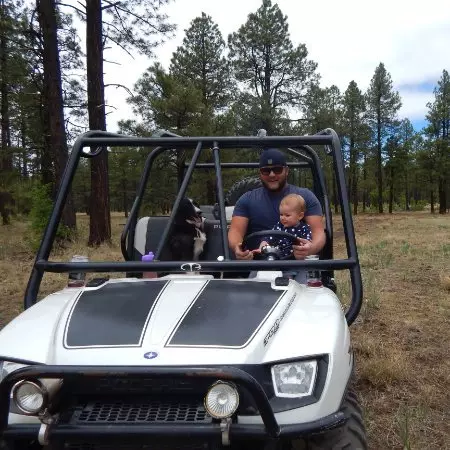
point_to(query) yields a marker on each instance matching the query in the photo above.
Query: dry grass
(401, 338)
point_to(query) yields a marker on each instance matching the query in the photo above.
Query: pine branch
(110, 62)
(73, 7)
(110, 5)
(120, 85)
(123, 25)
(120, 45)
(139, 18)
(109, 24)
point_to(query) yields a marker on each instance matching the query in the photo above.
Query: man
(259, 209)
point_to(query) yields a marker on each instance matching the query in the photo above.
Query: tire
(241, 187)
(351, 436)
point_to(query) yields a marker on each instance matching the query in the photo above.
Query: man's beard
(281, 185)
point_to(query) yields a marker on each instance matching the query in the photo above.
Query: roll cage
(296, 146)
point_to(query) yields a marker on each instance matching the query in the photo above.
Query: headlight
(295, 379)
(221, 400)
(27, 399)
(29, 396)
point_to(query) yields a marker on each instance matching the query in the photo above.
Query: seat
(150, 229)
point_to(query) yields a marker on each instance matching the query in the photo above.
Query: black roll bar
(180, 195)
(130, 226)
(220, 194)
(101, 139)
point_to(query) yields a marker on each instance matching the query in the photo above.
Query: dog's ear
(185, 209)
(195, 206)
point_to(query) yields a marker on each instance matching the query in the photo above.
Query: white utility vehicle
(201, 357)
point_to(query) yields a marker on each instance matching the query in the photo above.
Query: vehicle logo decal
(190, 267)
(150, 355)
(277, 322)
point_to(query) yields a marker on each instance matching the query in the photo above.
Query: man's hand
(242, 254)
(302, 248)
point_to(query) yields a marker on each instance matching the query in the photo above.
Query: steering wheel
(273, 251)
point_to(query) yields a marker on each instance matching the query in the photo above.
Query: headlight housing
(294, 379)
(30, 397)
(17, 404)
(221, 400)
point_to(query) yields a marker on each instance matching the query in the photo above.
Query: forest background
(52, 89)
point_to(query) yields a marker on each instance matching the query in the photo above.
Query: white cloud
(347, 38)
(414, 104)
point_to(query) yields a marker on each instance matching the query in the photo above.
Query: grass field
(401, 338)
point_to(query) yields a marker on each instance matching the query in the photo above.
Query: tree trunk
(6, 157)
(364, 202)
(100, 218)
(23, 143)
(407, 207)
(432, 201)
(442, 196)
(54, 102)
(124, 191)
(45, 156)
(391, 190)
(353, 177)
(379, 166)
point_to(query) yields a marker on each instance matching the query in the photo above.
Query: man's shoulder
(246, 204)
(313, 206)
(253, 194)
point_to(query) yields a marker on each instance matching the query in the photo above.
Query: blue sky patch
(419, 124)
(425, 86)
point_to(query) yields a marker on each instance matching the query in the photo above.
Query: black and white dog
(187, 238)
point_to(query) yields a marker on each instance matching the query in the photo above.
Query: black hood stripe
(116, 315)
(226, 314)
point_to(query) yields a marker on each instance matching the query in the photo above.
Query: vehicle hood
(173, 321)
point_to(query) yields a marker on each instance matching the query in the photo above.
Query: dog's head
(189, 212)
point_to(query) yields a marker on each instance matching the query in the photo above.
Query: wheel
(351, 436)
(241, 187)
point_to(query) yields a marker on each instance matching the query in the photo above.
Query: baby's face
(289, 216)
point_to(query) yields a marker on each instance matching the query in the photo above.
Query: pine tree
(399, 147)
(354, 132)
(266, 62)
(408, 140)
(438, 131)
(200, 60)
(383, 104)
(136, 25)
(53, 100)
(165, 101)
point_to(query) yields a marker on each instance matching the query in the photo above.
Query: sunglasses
(276, 170)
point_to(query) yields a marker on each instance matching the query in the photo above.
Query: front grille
(145, 385)
(141, 412)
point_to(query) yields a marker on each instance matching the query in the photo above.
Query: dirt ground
(401, 337)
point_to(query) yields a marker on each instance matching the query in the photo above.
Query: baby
(292, 211)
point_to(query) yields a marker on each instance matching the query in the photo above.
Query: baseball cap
(272, 157)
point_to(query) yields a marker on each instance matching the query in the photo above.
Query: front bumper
(96, 432)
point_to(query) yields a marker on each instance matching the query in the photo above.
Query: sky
(347, 38)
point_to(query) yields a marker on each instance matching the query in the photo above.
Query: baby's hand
(263, 244)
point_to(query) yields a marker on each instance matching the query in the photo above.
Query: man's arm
(318, 238)
(318, 233)
(236, 233)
